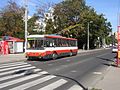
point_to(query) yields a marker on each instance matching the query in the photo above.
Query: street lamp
(26, 17)
(88, 34)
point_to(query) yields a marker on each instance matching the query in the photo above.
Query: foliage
(72, 18)
(49, 27)
(11, 20)
(32, 25)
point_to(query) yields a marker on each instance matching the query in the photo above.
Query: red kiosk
(15, 45)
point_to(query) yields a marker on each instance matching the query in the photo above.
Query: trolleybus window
(48, 42)
(35, 43)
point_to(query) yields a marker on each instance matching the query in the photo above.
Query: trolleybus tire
(54, 56)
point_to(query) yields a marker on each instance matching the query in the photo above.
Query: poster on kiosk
(4, 48)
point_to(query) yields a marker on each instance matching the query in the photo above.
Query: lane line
(97, 73)
(54, 85)
(10, 72)
(33, 83)
(14, 67)
(3, 85)
(17, 75)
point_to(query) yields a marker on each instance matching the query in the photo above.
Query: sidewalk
(12, 58)
(111, 80)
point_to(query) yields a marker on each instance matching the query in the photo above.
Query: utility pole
(26, 18)
(88, 36)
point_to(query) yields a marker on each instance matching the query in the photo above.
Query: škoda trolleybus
(50, 46)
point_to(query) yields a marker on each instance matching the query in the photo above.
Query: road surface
(68, 73)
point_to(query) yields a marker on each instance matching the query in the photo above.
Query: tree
(32, 25)
(49, 29)
(71, 13)
(67, 13)
(11, 20)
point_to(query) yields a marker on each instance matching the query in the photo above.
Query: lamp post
(88, 32)
(26, 24)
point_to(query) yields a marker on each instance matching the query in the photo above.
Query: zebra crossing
(21, 76)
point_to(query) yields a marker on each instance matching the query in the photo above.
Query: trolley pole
(26, 18)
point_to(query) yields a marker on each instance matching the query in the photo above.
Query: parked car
(114, 49)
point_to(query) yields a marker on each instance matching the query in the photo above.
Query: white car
(114, 49)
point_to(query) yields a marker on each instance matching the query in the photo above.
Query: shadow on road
(112, 62)
(106, 59)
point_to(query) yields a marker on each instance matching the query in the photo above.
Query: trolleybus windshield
(35, 44)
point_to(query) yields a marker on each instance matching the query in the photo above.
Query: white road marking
(54, 85)
(10, 72)
(33, 83)
(11, 65)
(75, 87)
(44, 72)
(73, 71)
(20, 80)
(97, 73)
(14, 67)
(16, 75)
(6, 64)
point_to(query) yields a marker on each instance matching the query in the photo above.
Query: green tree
(49, 29)
(72, 18)
(11, 20)
(33, 27)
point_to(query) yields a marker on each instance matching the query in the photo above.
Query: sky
(110, 8)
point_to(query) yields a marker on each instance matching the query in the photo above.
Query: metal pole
(26, 24)
(88, 37)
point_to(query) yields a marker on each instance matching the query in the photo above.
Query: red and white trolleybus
(50, 46)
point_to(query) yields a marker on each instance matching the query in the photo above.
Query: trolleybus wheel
(54, 56)
(70, 53)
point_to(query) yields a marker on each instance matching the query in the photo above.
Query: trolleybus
(50, 46)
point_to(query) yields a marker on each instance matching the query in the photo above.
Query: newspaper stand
(15, 44)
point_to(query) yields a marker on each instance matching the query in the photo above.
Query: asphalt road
(85, 70)
(68, 73)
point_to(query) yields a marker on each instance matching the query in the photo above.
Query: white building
(41, 23)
